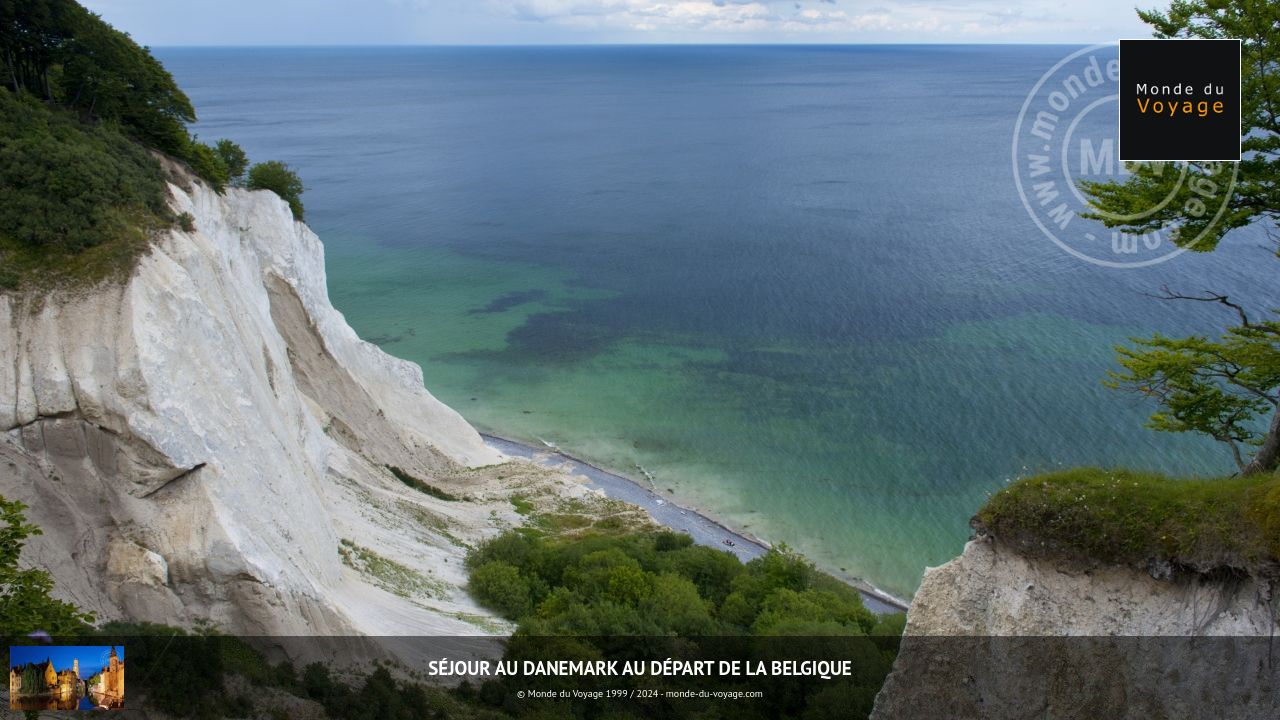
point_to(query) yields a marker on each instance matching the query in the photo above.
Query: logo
(1067, 133)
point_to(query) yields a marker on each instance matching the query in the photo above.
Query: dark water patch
(508, 301)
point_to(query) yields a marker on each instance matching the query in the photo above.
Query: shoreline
(703, 528)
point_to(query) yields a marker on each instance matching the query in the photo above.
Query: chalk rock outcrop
(208, 440)
(994, 634)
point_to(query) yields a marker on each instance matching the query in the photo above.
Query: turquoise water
(795, 284)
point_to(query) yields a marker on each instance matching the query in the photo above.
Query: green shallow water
(876, 475)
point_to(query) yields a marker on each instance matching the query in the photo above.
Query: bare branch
(1209, 296)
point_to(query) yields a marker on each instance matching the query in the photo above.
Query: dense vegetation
(1086, 516)
(82, 111)
(656, 595)
(67, 188)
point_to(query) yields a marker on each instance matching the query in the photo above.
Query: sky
(166, 23)
(92, 657)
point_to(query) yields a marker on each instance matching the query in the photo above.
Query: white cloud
(917, 18)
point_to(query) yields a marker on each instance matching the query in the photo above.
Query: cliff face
(993, 634)
(198, 441)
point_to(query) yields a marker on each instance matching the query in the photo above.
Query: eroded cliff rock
(209, 441)
(993, 634)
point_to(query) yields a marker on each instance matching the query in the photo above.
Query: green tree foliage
(656, 583)
(655, 595)
(276, 176)
(62, 52)
(76, 202)
(234, 159)
(502, 587)
(105, 75)
(32, 34)
(207, 162)
(67, 186)
(1220, 388)
(1226, 389)
(25, 602)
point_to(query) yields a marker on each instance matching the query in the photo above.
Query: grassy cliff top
(1166, 526)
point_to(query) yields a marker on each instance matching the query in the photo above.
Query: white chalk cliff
(995, 634)
(199, 440)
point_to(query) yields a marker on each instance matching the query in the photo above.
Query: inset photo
(75, 677)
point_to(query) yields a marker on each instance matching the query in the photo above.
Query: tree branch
(1209, 296)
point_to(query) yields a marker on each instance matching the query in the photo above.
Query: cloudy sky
(399, 22)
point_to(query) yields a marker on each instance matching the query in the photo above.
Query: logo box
(1179, 100)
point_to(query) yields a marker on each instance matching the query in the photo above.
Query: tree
(500, 586)
(208, 164)
(233, 158)
(25, 603)
(276, 176)
(1222, 388)
(32, 32)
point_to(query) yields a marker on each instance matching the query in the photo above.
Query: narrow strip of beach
(703, 529)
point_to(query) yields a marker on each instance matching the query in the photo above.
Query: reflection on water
(65, 701)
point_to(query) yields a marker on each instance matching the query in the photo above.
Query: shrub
(421, 485)
(499, 586)
(208, 164)
(233, 159)
(276, 176)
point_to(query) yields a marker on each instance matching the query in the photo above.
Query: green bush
(208, 164)
(275, 176)
(499, 585)
(233, 159)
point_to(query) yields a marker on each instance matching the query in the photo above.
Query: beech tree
(234, 158)
(1228, 388)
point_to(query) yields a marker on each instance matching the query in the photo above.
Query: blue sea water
(796, 284)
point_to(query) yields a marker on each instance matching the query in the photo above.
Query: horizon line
(301, 46)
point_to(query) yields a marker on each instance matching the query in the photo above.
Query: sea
(794, 285)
